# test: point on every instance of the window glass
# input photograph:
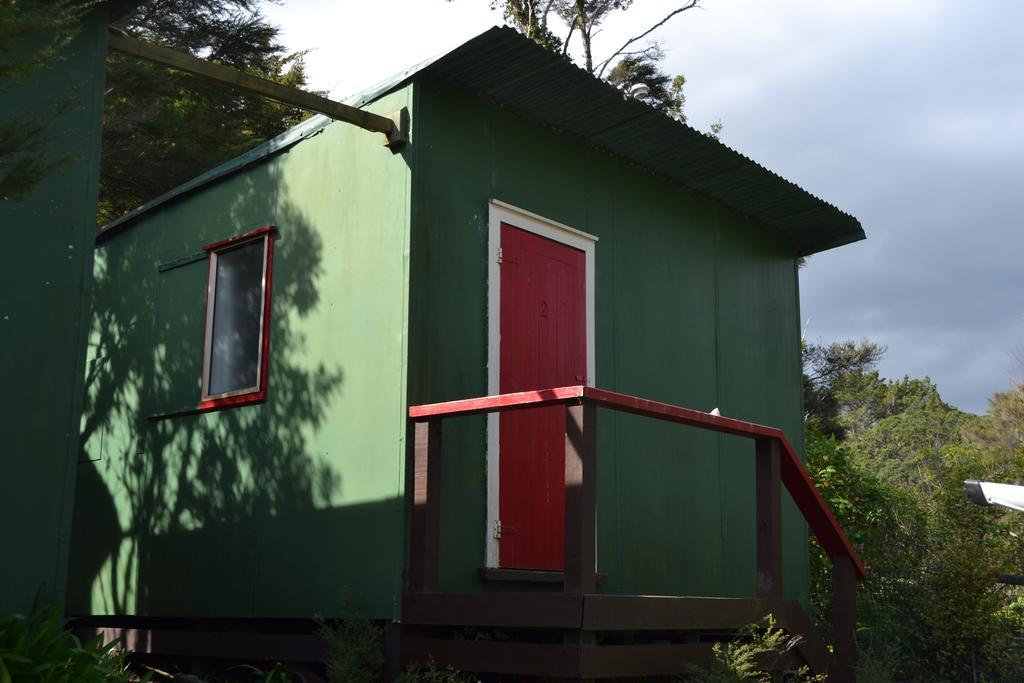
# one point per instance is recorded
(237, 312)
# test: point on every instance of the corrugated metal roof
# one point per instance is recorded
(513, 72)
(502, 66)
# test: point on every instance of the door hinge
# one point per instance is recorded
(499, 254)
(497, 529)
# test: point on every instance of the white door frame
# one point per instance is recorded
(499, 212)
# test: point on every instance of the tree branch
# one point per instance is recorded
(650, 51)
(585, 29)
(544, 16)
(568, 36)
(604, 65)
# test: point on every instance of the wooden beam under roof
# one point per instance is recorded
(392, 128)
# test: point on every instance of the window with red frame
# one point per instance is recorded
(237, 320)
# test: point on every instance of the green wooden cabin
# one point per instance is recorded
(293, 498)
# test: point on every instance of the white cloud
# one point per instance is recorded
(907, 113)
(973, 130)
(356, 44)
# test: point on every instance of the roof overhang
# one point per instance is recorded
(510, 70)
(503, 67)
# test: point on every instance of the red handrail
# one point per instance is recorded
(494, 404)
(793, 473)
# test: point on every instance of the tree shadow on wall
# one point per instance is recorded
(171, 514)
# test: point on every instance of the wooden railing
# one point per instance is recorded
(776, 464)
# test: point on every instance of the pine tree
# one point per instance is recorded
(163, 127)
(33, 35)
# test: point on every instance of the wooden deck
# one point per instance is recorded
(581, 634)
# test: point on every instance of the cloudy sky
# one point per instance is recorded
(909, 114)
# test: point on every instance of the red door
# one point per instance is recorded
(543, 345)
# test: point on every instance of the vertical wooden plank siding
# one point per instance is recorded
(425, 538)
(844, 618)
(664, 314)
(769, 518)
(580, 503)
(758, 380)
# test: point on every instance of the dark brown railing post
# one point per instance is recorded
(768, 469)
(844, 617)
(580, 497)
(425, 539)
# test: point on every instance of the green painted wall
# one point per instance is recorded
(286, 509)
(43, 315)
(695, 306)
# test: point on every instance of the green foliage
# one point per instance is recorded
(896, 429)
(666, 92)
(876, 666)
(355, 650)
(1001, 432)
(626, 66)
(882, 521)
(890, 458)
(33, 35)
(531, 18)
(24, 155)
(432, 673)
(886, 525)
(906, 448)
(747, 656)
(40, 648)
(969, 615)
(163, 127)
(355, 654)
(582, 17)
(279, 673)
(826, 366)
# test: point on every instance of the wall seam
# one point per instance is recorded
(411, 197)
(80, 347)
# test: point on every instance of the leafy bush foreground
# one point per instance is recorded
(40, 648)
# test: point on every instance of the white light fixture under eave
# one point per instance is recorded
(639, 91)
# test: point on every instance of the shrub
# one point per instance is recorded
(40, 648)
(431, 673)
(742, 659)
(355, 650)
